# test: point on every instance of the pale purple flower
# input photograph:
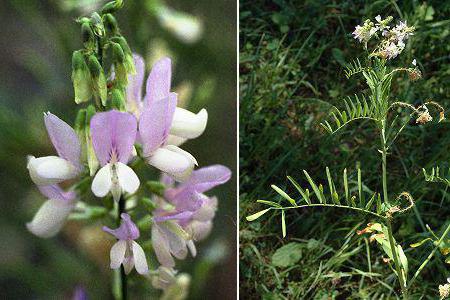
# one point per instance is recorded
(184, 124)
(189, 216)
(113, 135)
(49, 170)
(52, 215)
(126, 251)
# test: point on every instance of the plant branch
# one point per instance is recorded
(430, 256)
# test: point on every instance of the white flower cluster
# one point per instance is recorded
(393, 39)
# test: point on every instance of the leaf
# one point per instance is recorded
(283, 223)
(271, 203)
(257, 215)
(302, 192)
(356, 108)
(403, 261)
(288, 255)
(283, 194)
(314, 187)
(418, 244)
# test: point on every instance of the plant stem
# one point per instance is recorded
(123, 277)
(388, 221)
(427, 260)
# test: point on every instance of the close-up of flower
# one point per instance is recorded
(116, 183)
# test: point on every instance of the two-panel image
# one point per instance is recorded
(183, 150)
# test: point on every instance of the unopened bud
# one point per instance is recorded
(87, 36)
(112, 6)
(148, 204)
(128, 62)
(111, 24)
(179, 289)
(80, 78)
(156, 187)
(91, 158)
(118, 99)
(80, 120)
(120, 70)
(97, 24)
(98, 78)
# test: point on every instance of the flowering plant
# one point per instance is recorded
(117, 132)
(382, 43)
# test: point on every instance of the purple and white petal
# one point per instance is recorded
(180, 216)
(126, 231)
(56, 192)
(154, 123)
(117, 253)
(64, 139)
(50, 218)
(140, 262)
(161, 247)
(207, 211)
(113, 135)
(158, 81)
(188, 125)
(200, 230)
(177, 244)
(134, 87)
(206, 178)
(50, 170)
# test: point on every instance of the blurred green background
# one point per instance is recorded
(292, 54)
(36, 42)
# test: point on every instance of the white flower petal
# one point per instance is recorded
(190, 244)
(117, 253)
(49, 170)
(175, 140)
(140, 262)
(200, 230)
(161, 247)
(128, 180)
(173, 161)
(101, 185)
(50, 218)
(128, 264)
(187, 124)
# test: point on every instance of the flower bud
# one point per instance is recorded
(87, 36)
(120, 69)
(111, 24)
(81, 78)
(91, 158)
(156, 187)
(112, 6)
(179, 289)
(98, 78)
(97, 24)
(129, 62)
(118, 99)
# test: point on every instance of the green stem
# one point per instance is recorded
(427, 260)
(119, 288)
(388, 221)
(123, 277)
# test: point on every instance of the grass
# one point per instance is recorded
(292, 55)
